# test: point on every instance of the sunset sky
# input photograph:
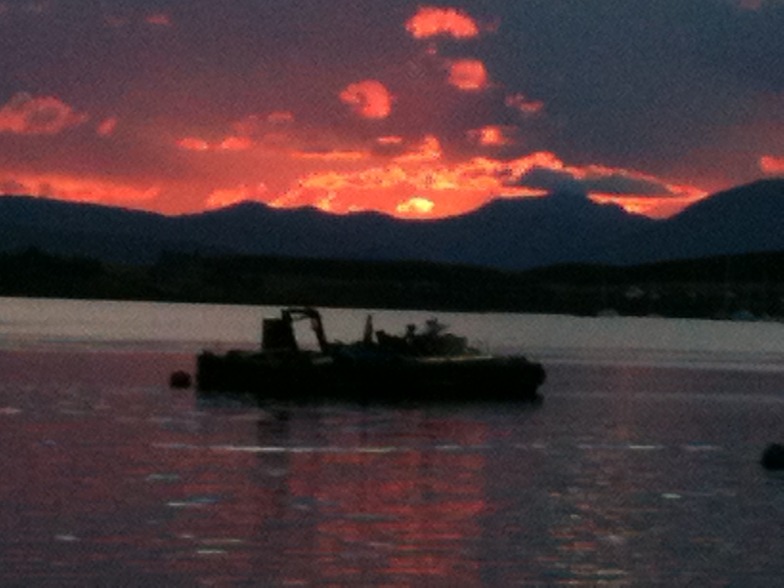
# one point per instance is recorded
(420, 110)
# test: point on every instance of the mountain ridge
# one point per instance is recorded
(512, 234)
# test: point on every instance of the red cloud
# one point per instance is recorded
(235, 143)
(46, 115)
(772, 165)
(368, 98)
(491, 136)
(433, 21)
(193, 144)
(107, 126)
(526, 106)
(331, 155)
(468, 74)
(83, 189)
(159, 19)
(428, 150)
(230, 143)
(389, 140)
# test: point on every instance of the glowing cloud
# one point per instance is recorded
(433, 21)
(772, 165)
(235, 143)
(83, 189)
(524, 105)
(468, 74)
(389, 140)
(406, 186)
(46, 115)
(368, 99)
(228, 196)
(428, 150)
(332, 155)
(193, 144)
(107, 126)
(491, 136)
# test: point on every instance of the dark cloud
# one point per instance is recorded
(550, 180)
(606, 182)
(638, 83)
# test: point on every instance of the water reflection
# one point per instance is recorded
(109, 476)
(342, 496)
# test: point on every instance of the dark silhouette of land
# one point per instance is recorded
(716, 287)
(721, 257)
(506, 234)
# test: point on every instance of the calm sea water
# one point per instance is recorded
(640, 468)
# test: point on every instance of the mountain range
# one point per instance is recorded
(514, 234)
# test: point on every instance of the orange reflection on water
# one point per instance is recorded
(395, 511)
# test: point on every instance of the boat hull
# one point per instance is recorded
(316, 378)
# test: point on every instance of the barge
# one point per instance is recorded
(427, 367)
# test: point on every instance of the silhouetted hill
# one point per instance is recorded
(745, 219)
(506, 233)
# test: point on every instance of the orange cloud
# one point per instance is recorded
(491, 136)
(406, 186)
(428, 150)
(235, 143)
(368, 98)
(107, 126)
(468, 74)
(428, 187)
(46, 115)
(390, 140)
(433, 21)
(83, 189)
(772, 165)
(230, 143)
(333, 155)
(524, 105)
(193, 144)
(227, 196)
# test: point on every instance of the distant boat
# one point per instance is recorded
(431, 366)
